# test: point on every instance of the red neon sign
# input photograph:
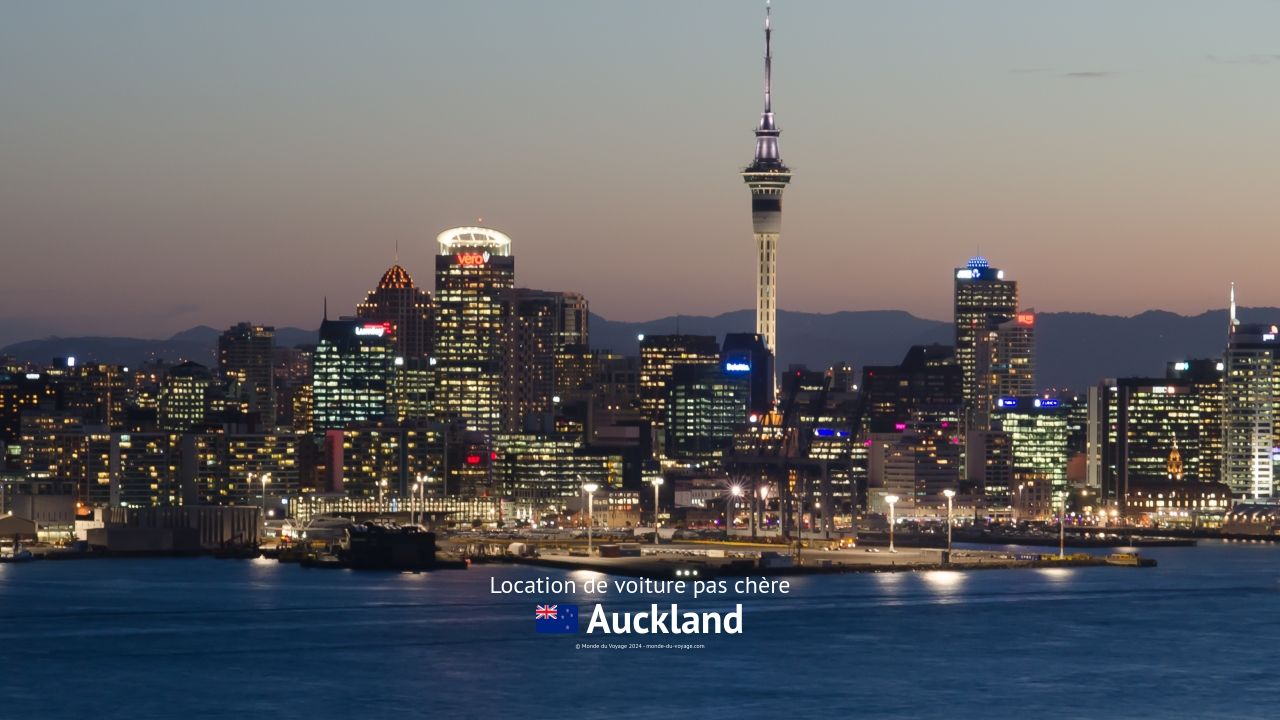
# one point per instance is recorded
(473, 459)
(472, 259)
(1026, 319)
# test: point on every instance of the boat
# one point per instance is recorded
(15, 554)
(1130, 560)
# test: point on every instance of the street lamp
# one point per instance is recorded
(657, 483)
(950, 494)
(764, 504)
(382, 489)
(264, 477)
(892, 500)
(420, 487)
(735, 492)
(591, 488)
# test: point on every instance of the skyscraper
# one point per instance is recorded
(981, 294)
(1250, 389)
(246, 355)
(408, 308)
(351, 373)
(475, 274)
(543, 324)
(1005, 365)
(767, 177)
(659, 356)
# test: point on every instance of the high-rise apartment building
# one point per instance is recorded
(246, 362)
(184, 397)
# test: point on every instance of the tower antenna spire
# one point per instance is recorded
(1234, 320)
(768, 58)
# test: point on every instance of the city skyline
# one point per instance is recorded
(243, 181)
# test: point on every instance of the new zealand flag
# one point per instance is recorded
(559, 619)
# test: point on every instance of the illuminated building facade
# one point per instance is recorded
(543, 324)
(981, 294)
(146, 470)
(1133, 423)
(406, 307)
(385, 460)
(1005, 363)
(746, 356)
(475, 274)
(705, 406)
(55, 451)
(246, 362)
(21, 392)
(925, 386)
(1037, 432)
(659, 356)
(767, 177)
(351, 373)
(540, 472)
(1251, 388)
(95, 392)
(1206, 376)
(185, 395)
(228, 468)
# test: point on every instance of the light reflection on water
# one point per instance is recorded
(165, 638)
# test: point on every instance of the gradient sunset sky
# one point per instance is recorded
(166, 164)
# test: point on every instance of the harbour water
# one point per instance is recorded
(173, 638)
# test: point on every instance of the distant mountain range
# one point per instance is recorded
(1074, 350)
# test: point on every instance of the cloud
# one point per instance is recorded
(1089, 74)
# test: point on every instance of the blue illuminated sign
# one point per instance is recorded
(737, 367)
(1008, 402)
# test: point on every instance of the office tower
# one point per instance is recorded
(475, 273)
(1037, 432)
(745, 356)
(544, 473)
(1250, 390)
(1133, 424)
(246, 362)
(705, 405)
(981, 295)
(767, 177)
(925, 386)
(542, 325)
(659, 356)
(398, 301)
(413, 389)
(988, 458)
(184, 397)
(351, 373)
(916, 464)
(1005, 357)
(1206, 376)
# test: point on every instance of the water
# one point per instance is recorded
(162, 638)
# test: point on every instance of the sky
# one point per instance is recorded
(164, 164)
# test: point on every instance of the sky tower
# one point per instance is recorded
(767, 177)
